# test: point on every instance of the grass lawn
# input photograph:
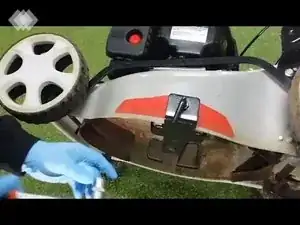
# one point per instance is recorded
(138, 183)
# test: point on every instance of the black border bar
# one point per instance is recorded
(143, 13)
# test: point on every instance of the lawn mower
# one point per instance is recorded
(172, 100)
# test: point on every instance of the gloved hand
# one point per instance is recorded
(67, 162)
(9, 183)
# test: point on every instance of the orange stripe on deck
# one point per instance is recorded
(209, 118)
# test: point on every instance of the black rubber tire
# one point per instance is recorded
(75, 98)
(294, 107)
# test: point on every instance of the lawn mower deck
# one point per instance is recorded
(142, 125)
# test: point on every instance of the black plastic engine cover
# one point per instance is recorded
(165, 42)
(290, 44)
(197, 41)
(170, 41)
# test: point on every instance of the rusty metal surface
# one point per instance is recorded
(103, 134)
(217, 159)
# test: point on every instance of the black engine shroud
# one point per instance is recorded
(159, 43)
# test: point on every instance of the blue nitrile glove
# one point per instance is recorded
(9, 183)
(67, 162)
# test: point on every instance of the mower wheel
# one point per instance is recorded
(294, 106)
(37, 83)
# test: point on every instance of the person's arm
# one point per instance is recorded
(15, 144)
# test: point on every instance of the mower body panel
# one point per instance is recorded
(250, 105)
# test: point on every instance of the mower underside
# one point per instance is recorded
(230, 131)
(213, 159)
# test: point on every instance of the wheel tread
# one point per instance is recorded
(75, 98)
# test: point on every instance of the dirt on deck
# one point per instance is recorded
(216, 159)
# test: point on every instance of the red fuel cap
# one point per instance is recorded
(135, 39)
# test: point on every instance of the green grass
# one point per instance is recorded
(135, 182)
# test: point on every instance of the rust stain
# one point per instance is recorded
(218, 158)
(139, 128)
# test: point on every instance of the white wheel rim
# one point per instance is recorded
(38, 71)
